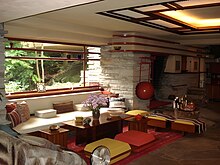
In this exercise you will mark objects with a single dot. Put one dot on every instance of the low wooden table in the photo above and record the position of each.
(97, 129)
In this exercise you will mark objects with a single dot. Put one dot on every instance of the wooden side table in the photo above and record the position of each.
(138, 125)
(58, 137)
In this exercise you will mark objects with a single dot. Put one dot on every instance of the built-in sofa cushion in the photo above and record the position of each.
(23, 110)
(37, 123)
(14, 117)
(63, 107)
(47, 113)
(10, 107)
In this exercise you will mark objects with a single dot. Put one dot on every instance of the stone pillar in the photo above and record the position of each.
(2, 70)
(120, 73)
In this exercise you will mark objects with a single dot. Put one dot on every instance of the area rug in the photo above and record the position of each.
(162, 139)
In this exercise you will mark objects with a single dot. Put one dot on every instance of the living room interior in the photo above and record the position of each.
(150, 57)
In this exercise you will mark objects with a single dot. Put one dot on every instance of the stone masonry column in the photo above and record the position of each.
(2, 70)
(120, 74)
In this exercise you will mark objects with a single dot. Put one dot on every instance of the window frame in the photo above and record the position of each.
(35, 93)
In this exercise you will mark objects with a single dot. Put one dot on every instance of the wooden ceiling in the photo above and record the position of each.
(154, 16)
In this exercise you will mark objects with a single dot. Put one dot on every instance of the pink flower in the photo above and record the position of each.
(95, 101)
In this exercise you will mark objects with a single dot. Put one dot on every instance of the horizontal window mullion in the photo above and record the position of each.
(48, 58)
(50, 50)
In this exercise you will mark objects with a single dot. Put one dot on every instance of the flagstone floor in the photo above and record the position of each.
(192, 149)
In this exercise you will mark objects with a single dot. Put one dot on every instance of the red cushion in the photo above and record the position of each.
(135, 138)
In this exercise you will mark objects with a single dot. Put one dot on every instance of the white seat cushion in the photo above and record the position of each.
(47, 113)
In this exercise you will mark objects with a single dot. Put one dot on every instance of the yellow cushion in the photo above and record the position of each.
(183, 122)
(136, 112)
(157, 118)
(118, 149)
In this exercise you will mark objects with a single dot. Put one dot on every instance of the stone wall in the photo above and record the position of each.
(121, 74)
(176, 84)
(2, 69)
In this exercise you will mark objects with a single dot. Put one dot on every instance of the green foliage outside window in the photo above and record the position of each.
(22, 75)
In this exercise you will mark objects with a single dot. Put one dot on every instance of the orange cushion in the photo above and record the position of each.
(135, 138)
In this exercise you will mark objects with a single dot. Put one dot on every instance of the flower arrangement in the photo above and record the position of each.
(95, 101)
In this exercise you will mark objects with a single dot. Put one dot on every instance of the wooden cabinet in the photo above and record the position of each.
(57, 137)
(213, 85)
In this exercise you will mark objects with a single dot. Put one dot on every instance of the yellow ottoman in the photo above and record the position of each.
(183, 125)
(118, 149)
(157, 121)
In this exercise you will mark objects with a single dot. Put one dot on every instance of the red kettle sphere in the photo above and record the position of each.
(144, 90)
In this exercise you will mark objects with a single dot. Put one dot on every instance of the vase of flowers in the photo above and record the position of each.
(94, 103)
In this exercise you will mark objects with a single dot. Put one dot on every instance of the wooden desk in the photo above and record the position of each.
(58, 137)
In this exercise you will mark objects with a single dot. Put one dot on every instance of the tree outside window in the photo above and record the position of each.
(57, 66)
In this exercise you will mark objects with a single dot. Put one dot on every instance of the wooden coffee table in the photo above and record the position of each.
(97, 129)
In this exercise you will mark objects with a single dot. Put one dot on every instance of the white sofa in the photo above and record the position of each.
(46, 102)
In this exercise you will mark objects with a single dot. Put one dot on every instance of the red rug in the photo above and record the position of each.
(162, 138)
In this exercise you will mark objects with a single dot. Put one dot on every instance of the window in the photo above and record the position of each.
(56, 65)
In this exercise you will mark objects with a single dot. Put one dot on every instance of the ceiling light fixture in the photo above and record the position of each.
(190, 19)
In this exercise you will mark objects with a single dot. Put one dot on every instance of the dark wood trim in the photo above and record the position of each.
(154, 39)
(153, 53)
(172, 21)
(178, 7)
(169, 6)
(158, 46)
(19, 95)
(141, 6)
(205, 31)
(185, 29)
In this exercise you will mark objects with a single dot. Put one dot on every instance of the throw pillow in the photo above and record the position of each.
(23, 111)
(14, 117)
(117, 103)
(63, 107)
(10, 107)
